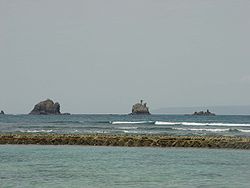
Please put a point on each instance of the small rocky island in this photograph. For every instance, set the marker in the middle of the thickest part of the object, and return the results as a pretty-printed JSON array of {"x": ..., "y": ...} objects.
[
  {"x": 140, "y": 109},
  {"x": 202, "y": 113},
  {"x": 47, "y": 107},
  {"x": 2, "y": 112}
]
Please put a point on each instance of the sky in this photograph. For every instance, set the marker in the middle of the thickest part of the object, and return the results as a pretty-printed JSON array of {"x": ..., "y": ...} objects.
[{"x": 95, "y": 56}]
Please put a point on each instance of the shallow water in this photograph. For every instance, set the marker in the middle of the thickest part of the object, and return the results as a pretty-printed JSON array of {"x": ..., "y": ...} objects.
[{"x": 120, "y": 167}]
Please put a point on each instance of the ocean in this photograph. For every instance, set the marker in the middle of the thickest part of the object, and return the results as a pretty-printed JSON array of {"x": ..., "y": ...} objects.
[
  {"x": 29, "y": 166},
  {"x": 127, "y": 124}
]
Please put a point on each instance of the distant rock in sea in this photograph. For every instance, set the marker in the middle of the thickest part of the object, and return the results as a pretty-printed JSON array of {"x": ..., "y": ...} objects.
[
  {"x": 201, "y": 113},
  {"x": 140, "y": 109},
  {"x": 47, "y": 107},
  {"x": 2, "y": 112}
]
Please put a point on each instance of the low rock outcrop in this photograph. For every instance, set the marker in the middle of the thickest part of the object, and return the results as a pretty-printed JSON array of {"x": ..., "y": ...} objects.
[
  {"x": 46, "y": 107},
  {"x": 201, "y": 113},
  {"x": 128, "y": 140},
  {"x": 140, "y": 108},
  {"x": 2, "y": 112}
]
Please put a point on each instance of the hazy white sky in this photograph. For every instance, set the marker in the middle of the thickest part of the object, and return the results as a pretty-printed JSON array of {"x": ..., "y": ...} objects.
[{"x": 95, "y": 56}]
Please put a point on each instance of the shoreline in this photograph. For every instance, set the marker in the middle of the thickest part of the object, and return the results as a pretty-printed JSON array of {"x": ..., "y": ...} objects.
[{"x": 128, "y": 140}]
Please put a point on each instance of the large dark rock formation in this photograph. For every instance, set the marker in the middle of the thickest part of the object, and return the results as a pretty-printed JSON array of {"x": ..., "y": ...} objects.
[
  {"x": 140, "y": 108},
  {"x": 2, "y": 112},
  {"x": 201, "y": 113},
  {"x": 46, "y": 107}
]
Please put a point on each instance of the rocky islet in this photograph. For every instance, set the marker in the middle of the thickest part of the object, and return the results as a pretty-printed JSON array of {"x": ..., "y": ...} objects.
[
  {"x": 47, "y": 107},
  {"x": 140, "y": 109},
  {"x": 202, "y": 113}
]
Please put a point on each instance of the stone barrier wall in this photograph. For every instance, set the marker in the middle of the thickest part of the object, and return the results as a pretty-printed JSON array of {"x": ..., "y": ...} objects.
[{"x": 128, "y": 140}]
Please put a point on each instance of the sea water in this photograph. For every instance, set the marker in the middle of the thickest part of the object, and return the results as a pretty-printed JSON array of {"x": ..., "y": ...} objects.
[
  {"x": 127, "y": 124},
  {"x": 92, "y": 167},
  {"x": 31, "y": 166}
]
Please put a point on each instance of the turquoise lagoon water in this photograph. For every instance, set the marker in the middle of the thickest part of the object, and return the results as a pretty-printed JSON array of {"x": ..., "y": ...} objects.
[{"x": 32, "y": 166}]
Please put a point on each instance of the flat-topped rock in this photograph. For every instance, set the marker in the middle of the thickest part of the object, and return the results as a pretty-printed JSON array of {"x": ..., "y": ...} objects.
[
  {"x": 128, "y": 140},
  {"x": 202, "y": 113},
  {"x": 46, "y": 107},
  {"x": 140, "y": 109}
]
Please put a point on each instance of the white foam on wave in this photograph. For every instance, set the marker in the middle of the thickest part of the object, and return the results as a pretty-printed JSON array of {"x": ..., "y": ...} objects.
[
  {"x": 74, "y": 131},
  {"x": 130, "y": 122},
  {"x": 36, "y": 131},
  {"x": 244, "y": 131},
  {"x": 230, "y": 124},
  {"x": 166, "y": 123},
  {"x": 202, "y": 124},
  {"x": 194, "y": 123},
  {"x": 210, "y": 130},
  {"x": 127, "y": 128},
  {"x": 130, "y": 131}
]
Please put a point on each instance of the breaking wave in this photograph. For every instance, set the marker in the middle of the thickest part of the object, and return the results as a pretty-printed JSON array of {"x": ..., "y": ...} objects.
[
  {"x": 131, "y": 122},
  {"x": 212, "y": 130},
  {"x": 128, "y": 128},
  {"x": 36, "y": 131},
  {"x": 244, "y": 131},
  {"x": 202, "y": 124}
]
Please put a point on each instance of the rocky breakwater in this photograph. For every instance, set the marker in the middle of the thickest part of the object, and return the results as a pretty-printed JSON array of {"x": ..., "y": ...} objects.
[
  {"x": 140, "y": 109},
  {"x": 128, "y": 140},
  {"x": 47, "y": 107}
]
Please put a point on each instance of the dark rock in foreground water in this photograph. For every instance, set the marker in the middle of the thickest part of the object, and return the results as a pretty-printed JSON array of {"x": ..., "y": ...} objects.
[
  {"x": 2, "y": 112},
  {"x": 140, "y": 109},
  {"x": 46, "y": 107},
  {"x": 201, "y": 113}
]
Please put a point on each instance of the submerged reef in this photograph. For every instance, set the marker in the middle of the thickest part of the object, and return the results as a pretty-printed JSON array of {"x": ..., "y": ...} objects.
[
  {"x": 46, "y": 107},
  {"x": 128, "y": 140},
  {"x": 140, "y": 108}
]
